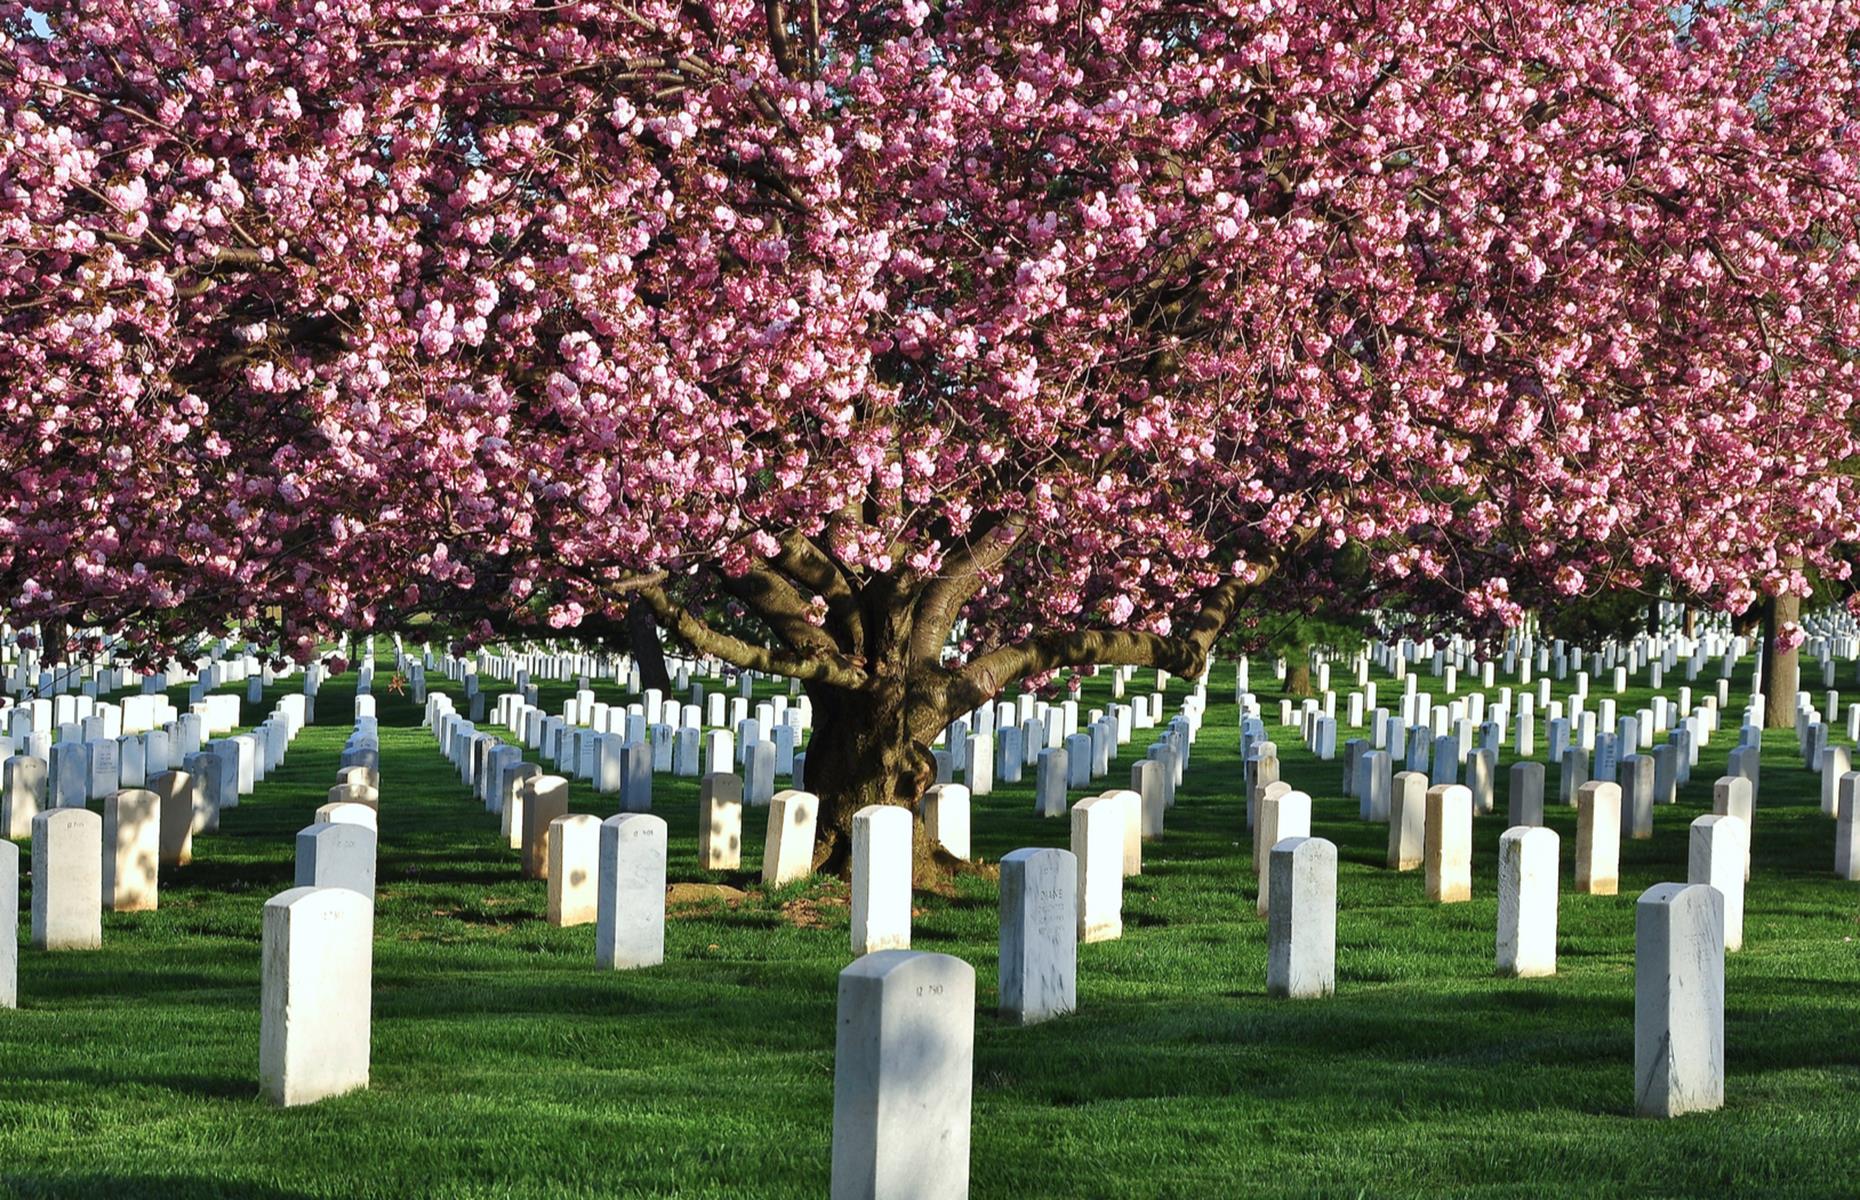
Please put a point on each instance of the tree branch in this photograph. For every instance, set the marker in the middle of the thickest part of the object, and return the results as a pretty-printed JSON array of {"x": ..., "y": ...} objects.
[
  {"x": 805, "y": 563},
  {"x": 957, "y": 583},
  {"x": 780, "y": 47},
  {"x": 819, "y": 667},
  {"x": 1179, "y": 654},
  {"x": 781, "y": 607}
]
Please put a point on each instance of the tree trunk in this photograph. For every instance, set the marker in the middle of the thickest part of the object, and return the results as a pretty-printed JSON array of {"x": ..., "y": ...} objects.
[
  {"x": 1298, "y": 677},
  {"x": 1782, "y": 669},
  {"x": 52, "y": 643},
  {"x": 642, "y": 635},
  {"x": 870, "y": 749}
]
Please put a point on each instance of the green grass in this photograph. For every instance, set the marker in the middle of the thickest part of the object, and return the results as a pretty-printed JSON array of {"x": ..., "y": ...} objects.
[{"x": 505, "y": 1065}]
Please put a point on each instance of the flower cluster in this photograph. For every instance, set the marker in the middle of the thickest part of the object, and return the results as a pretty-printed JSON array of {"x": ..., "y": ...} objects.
[{"x": 491, "y": 308}]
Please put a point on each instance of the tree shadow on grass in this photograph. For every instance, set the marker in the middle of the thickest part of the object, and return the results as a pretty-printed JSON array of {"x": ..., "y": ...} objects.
[
  {"x": 189, "y": 1083},
  {"x": 399, "y": 870},
  {"x": 1369, "y": 1051},
  {"x": 27, "y": 1185},
  {"x": 504, "y": 918},
  {"x": 115, "y": 978},
  {"x": 922, "y": 936},
  {"x": 226, "y": 876}
]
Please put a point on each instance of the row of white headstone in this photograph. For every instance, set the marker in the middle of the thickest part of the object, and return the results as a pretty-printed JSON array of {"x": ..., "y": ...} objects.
[
  {"x": 317, "y": 989},
  {"x": 85, "y": 862},
  {"x": 110, "y": 669},
  {"x": 881, "y": 837},
  {"x": 908, "y": 1016},
  {"x": 619, "y": 749},
  {"x": 1667, "y": 1079},
  {"x": 74, "y": 770},
  {"x": 1469, "y": 720},
  {"x": 1831, "y": 632},
  {"x": 520, "y": 667},
  {"x": 315, "y": 995},
  {"x": 610, "y": 873},
  {"x": 905, "y": 1019}
]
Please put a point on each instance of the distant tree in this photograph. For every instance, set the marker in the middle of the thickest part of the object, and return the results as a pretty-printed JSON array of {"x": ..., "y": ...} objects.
[
  {"x": 1325, "y": 605},
  {"x": 1592, "y": 620}
]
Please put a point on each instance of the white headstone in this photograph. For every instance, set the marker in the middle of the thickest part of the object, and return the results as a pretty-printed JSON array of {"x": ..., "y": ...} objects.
[
  {"x": 1148, "y": 782},
  {"x": 1301, "y": 934},
  {"x": 902, "y": 1077},
  {"x": 337, "y": 854},
  {"x": 1098, "y": 846},
  {"x": 67, "y": 884},
  {"x": 1447, "y": 856},
  {"x": 1039, "y": 934},
  {"x": 1374, "y": 785},
  {"x": 545, "y": 797},
  {"x": 881, "y": 879},
  {"x": 348, "y": 812},
  {"x": 630, "y": 922},
  {"x": 132, "y": 850},
  {"x": 1525, "y": 801},
  {"x": 1286, "y": 815},
  {"x": 788, "y": 848},
  {"x": 946, "y": 818},
  {"x": 1716, "y": 853},
  {"x": 1598, "y": 838},
  {"x": 177, "y": 802},
  {"x": 1051, "y": 777},
  {"x": 1635, "y": 775},
  {"x": 22, "y": 795},
  {"x": 1407, "y": 820},
  {"x": 1678, "y": 1000},
  {"x": 9, "y": 925},
  {"x": 1846, "y": 828},
  {"x": 720, "y": 822},
  {"x": 1527, "y": 901},
  {"x": 574, "y": 869},
  {"x": 315, "y": 1008}
]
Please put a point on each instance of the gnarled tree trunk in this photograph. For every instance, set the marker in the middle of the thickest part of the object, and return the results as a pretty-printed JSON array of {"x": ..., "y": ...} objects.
[
  {"x": 1782, "y": 669},
  {"x": 873, "y": 665},
  {"x": 870, "y": 748}
]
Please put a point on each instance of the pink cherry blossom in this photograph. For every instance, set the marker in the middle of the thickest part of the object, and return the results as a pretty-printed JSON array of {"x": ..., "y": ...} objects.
[{"x": 1049, "y": 321}]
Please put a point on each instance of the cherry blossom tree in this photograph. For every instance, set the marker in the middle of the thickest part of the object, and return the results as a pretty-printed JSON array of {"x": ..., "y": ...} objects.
[{"x": 1067, "y": 326}]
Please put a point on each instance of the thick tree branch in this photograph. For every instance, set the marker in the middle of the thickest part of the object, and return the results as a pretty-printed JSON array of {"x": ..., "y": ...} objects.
[
  {"x": 320, "y": 332},
  {"x": 780, "y": 47},
  {"x": 984, "y": 678},
  {"x": 956, "y": 584},
  {"x": 804, "y": 562},
  {"x": 1179, "y": 654},
  {"x": 829, "y": 668},
  {"x": 782, "y": 608}
]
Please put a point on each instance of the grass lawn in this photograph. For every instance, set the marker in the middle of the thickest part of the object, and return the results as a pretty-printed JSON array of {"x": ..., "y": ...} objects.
[{"x": 505, "y": 1065}]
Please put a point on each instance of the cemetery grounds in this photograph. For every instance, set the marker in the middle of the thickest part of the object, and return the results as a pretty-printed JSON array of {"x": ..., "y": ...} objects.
[{"x": 505, "y": 1065}]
